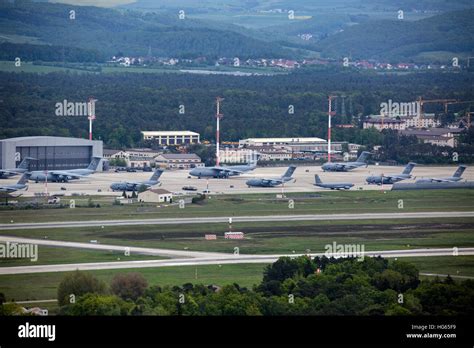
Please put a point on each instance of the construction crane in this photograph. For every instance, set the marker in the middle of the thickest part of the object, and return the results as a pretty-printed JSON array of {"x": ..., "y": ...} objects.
[
  {"x": 468, "y": 113},
  {"x": 422, "y": 102}
]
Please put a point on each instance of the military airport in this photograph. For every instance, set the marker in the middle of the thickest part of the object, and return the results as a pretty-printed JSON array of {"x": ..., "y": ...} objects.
[{"x": 304, "y": 168}]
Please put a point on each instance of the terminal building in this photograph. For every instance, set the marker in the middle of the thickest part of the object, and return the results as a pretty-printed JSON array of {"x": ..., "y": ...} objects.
[
  {"x": 172, "y": 138},
  {"x": 58, "y": 153}
]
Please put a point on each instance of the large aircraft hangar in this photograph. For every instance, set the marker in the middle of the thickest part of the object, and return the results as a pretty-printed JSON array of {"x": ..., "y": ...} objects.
[{"x": 51, "y": 152}]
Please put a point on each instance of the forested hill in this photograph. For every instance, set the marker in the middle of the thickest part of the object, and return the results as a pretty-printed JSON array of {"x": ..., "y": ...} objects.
[
  {"x": 110, "y": 31},
  {"x": 450, "y": 34},
  {"x": 253, "y": 106}
]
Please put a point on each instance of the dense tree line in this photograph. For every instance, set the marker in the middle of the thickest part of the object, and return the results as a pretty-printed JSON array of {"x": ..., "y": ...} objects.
[
  {"x": 299, "y": 286},
  {"x": 256, "y": 106},
  {"x": 28, "y": 52}
]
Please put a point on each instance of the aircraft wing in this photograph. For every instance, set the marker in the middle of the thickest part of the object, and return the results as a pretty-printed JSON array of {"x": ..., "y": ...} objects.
[
  {"x": 271, "y": 182},
  {"x": 393, "y": 177},
  {"x": 138, "y": 184},
  {"x": 5, "y": 171},
  {"x": 439, "y": 180},
  {"x": 227, "y": 170},
  {"x": 68, "y": 174}
]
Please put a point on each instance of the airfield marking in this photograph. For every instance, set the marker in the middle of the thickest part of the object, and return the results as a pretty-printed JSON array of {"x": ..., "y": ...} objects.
[
  {"x": 224, "y": 219},
  {"x": 224, "y": 259}
]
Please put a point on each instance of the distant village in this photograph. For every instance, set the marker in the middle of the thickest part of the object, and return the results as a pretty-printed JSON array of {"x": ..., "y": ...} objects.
[{"x": 279, "y": 63}]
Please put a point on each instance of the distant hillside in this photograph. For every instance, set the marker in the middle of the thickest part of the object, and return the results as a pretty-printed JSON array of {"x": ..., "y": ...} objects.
[
  {"x": 446, "y": 35},
  {"x": 109, "y": 31}
]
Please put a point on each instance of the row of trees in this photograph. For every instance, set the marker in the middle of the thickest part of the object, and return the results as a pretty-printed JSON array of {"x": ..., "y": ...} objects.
[{"x": 299, "y": 286}]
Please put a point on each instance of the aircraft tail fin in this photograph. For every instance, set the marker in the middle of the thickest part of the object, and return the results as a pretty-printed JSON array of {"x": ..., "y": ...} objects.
[
  {"x": 409, "y": 168},
  {"x": 459, "y": 171},
  {"x": 25, "y": 163},
  {"x": 364, "y": 156},
  {"x": 24, "y": 178},
  {"x": 289, "y": 172},
  {"x": 156, "y": 175},
  {"x": 94, "y": 163},
  {"x": 317, "y": 179}
]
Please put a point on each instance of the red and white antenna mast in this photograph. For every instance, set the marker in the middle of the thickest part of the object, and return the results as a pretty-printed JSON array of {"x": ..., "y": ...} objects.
[
  {"x": 218, "y": 117},
  {"x": 330, "y": 114},
  {"x": 91, "y": 114}
]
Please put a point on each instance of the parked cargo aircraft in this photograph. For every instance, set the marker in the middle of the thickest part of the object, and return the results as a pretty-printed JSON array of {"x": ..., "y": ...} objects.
[
  {"x": 456, "y": 176},
  {"x": 22, "y": 168},
  {"x": 20, "y": 185},
  {"x": 333, "y": 185},
  {"x": 272, "y": 182},
  {"x": 346, "y": 166},
  {"x": 134, "y": 186},
  {"x": 65, "y": 175},
  {"x": 222, "y": 171},
  {"x": 390, "y": 179}
]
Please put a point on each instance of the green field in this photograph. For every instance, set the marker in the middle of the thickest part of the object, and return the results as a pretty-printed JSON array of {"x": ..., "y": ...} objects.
[
  {"x": 43, "y": 286},
  {"x": 255, "y": 204},
  {"x": 53, "y": 255},
  {"x": 275, "y": 237}
]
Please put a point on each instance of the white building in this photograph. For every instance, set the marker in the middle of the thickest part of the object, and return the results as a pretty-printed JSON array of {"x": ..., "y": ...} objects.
[
  {"x": 278, "y": 141},
  {"x": 436, "y": 136},
  {"x": 167, "y": 138},
  {"x": 156, "y": 196},
  {"x": 133, "y": 157},
  {"x": 178, "y": 160},
  {"x": 239, "y": 155}
]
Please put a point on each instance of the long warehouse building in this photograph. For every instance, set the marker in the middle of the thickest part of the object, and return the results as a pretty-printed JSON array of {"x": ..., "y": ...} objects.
[{"x": 57, "y": 153}]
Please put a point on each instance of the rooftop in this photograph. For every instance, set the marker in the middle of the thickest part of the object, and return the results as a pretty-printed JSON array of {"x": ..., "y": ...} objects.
[
  {"x": 168, "y": 133},
  {"x": 284, "y": 140},
  {"x": 180, "y": 156}
]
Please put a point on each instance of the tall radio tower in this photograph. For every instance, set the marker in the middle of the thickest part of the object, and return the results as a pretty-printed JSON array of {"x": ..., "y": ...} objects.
[
  {"x": 330, "y": 114},
  {"x": 218, "y": 117},
  {"x": 91, "y": 114}
]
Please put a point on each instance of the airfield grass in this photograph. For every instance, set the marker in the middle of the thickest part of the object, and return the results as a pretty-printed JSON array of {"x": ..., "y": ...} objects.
[
  {"x": 48, "y": 255},
  {"x": 43, "y": 286},
  {"x": 251, "y": 204},
  {"x": 275, "y": 237}
]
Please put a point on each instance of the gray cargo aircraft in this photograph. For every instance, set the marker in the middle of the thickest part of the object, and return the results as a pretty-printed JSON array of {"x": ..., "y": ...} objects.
[
  {"x": 22, "y": 168},
  {"x": 346, "y": 166},
  {"x": 390, "y": 179},
  {"x": 456, "y": 176},
  {"x": 134, "y": 186},
  {"x": 333, "y": 185},
  {"x": 435, "y": 185},
  {"x": 222, "y": 171},
  {"x": 272, "y": 182},
  {"x": 65, "y": 175},
  {"x": 20, "y": 185}
]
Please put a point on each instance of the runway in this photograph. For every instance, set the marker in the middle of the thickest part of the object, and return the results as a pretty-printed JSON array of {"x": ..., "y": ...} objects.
[
  {"x": 132, "y": 250},
  {"x": 174, "y": 180},
  {"x": 223, "y": 259},
  {"x": 224, "y": 219}
]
